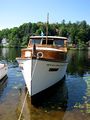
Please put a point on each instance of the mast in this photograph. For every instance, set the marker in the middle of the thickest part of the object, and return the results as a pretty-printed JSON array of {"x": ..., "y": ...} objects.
[{"x": 47, "y": 27}]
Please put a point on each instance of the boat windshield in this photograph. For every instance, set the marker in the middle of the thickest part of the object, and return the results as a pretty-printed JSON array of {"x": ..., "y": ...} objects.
[
  {"x": 55, "y": 42},
  {"x": 59, "y": 42},
  {"x": 49, "y": 42},
  {"x": 36, "y": 41}
]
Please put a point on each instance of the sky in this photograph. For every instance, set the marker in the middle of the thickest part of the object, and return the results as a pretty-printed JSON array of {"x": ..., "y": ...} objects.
[{"x": 14, "y": 13}]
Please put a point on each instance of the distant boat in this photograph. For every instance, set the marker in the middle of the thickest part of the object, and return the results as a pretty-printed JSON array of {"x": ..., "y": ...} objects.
[
  {"x": 3, "y": 70},
  {"x": 43, "y": 62}
]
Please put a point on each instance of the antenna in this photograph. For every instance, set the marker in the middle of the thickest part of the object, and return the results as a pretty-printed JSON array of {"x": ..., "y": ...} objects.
[{"x": 47, "y": 27}]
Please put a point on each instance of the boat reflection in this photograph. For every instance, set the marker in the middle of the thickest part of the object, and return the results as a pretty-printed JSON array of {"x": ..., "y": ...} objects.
[
  {"x": 54, "y": 97},
  {"x": 50, "y": 104},
  {"x": 45, "y": 105},
  {"x": 4, "y": 52},
  {"x": 3, "y": 84}
]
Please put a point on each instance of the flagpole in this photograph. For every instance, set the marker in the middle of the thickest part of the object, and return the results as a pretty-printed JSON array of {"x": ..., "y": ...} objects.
[{"x": 47, "y": 27}]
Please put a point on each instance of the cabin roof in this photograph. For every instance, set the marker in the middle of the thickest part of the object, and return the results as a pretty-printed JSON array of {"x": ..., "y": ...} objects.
[{"x": 48, "y": 37}]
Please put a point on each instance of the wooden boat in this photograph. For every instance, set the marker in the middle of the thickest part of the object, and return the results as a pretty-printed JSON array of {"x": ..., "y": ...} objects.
[
  {"x": 43, "y": 62},
  {"x": 3, "y": 70}
]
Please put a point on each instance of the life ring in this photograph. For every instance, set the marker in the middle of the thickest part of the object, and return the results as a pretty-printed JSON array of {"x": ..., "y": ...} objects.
[{"x": 40, "y": 54}]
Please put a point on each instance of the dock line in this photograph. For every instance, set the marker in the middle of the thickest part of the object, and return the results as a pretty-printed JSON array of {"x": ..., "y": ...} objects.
[{"x": 27, "y": 92}]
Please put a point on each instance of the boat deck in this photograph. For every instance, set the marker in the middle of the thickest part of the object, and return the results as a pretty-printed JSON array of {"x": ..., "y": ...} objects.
[{"x": 1, "y": 66}]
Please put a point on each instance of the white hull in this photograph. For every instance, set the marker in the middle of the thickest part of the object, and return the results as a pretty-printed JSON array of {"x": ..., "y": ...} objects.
[
  {"x": 43, "y": 62},
  {"x": 40, "y": 75},
  {"x": 3, "y": 70}
]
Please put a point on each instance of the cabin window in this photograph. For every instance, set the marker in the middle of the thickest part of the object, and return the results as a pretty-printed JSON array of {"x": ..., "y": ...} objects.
[
  {"x": 43, "y": 41},
  {"x": 36, "y": 41},
  {"x": 59, "y": 42},
  {"x": 49, "y": 42}
]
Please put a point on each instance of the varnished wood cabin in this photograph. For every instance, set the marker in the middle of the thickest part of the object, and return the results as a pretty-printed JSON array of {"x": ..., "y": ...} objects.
[{"x": 51, "y": 48}]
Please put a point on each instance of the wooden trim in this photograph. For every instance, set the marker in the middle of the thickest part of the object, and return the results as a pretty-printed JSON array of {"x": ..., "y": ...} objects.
[{"x": 51, "y": 55}]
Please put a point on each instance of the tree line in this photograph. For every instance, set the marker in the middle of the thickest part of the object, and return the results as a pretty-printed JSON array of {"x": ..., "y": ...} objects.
[{"x": 78, "y": 32}]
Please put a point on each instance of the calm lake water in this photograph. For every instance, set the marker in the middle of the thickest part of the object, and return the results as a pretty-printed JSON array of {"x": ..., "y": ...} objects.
[{"x": 69, "y": 100}]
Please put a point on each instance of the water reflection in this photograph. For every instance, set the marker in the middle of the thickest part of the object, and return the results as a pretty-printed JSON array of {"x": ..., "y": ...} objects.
[
  {"x": 69, "y": 100},
  {"x": 78, "y": 62},
  {"x": 9, "y": 54},
  {"x": 89, "y": 54},
  {"x": 78, "y": 81},
  {"x": 77, "y": 88},
  {"x": 54, "y": 98},
  {"x": 3, "y": 85},
  {"x": 50, "y": 104}
]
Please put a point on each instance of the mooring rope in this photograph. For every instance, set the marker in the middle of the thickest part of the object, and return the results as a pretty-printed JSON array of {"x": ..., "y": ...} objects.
[
  {"x": 23, "y": 106},
  {"x": 27, "y": 91}
]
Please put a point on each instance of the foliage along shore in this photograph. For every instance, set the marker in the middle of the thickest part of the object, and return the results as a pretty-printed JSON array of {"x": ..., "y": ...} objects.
[{"x": 78, "y": 33}]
